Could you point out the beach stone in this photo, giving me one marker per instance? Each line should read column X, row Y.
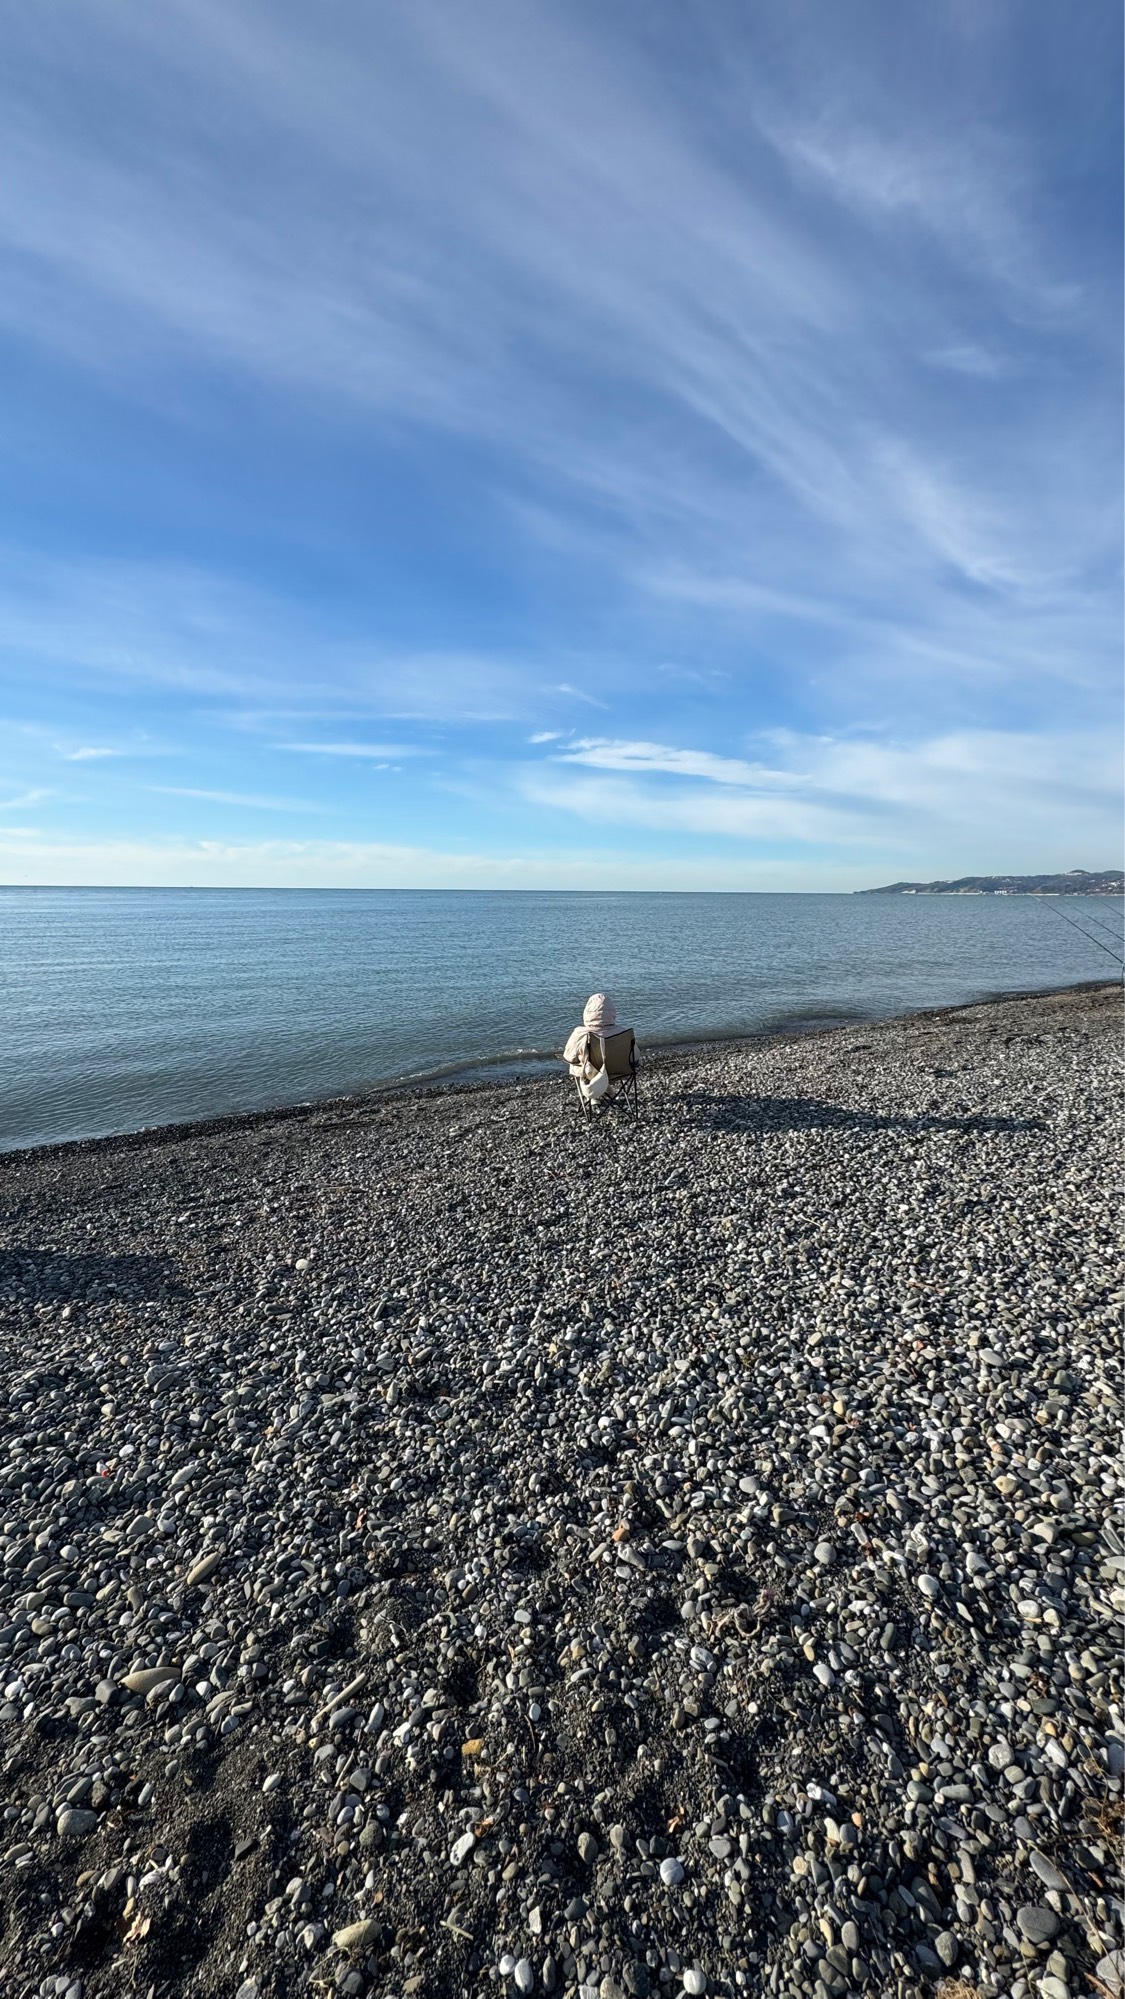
column 74, row 1823
column 1047, row 1871
column 694, row 1981
column 149, row 1678
column 356, row 1936
column 202, row 1570
column 671, row 1871
column 1036, row 1923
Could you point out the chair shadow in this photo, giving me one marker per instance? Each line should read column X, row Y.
column 50, row 1276
column 725, row 1113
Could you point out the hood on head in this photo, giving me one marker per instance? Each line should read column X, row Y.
column 599, row 1011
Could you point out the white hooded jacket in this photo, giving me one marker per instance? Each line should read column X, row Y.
column 599, row 1016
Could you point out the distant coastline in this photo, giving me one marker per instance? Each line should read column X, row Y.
column 1078, row 882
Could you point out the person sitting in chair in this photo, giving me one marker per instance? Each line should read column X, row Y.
column 597, row 1071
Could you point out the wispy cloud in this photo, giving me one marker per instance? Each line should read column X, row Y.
column 660, row 758
column 254, row 800
column 249, row 648
column 968, row 359
column 377, row 750
column 20, row 799
column 981, row 793
column 88, row 755
column 580, row 694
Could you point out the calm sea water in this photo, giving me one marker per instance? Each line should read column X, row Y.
column 130, row 1007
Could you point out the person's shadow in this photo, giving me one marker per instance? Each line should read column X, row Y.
column 51, row 1276
column 744, row 1113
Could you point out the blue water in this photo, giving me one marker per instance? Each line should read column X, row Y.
column 130, row 1007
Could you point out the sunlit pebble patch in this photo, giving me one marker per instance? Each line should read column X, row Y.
column 449, row 1547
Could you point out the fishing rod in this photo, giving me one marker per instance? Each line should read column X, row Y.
column 1099, row 925
column 1082, row 932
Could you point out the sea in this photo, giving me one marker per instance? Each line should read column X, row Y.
column 124, row 1009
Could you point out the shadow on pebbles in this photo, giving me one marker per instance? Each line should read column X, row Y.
column 451, row 1548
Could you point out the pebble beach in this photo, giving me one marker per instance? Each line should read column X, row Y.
column 451, row 1547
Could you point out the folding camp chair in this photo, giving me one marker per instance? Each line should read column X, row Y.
column 617, row 1054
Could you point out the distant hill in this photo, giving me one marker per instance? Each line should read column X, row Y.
column 1077, row 882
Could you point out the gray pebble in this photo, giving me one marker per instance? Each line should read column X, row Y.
column 1036, row 1923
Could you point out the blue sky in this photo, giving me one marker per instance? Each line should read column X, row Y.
column 658, row 445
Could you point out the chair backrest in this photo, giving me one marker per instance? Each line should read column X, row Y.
column 617, row 1053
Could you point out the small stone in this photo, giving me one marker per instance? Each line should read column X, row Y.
column 148, row 1678
column 74, row 1823
column 1111, row 1970
column 524, row 1975
column 588, row 1848
column 695, row 1981
column 356, row 1936
column 825, row 1552
column 272, row 1782
column 204, row 1568
column 461, row 1848
column 1047, row 1872
column 1036, row 1923
column 945, row 1944
column 672, row 1871
column 824, row 1674
column 929, row 1586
